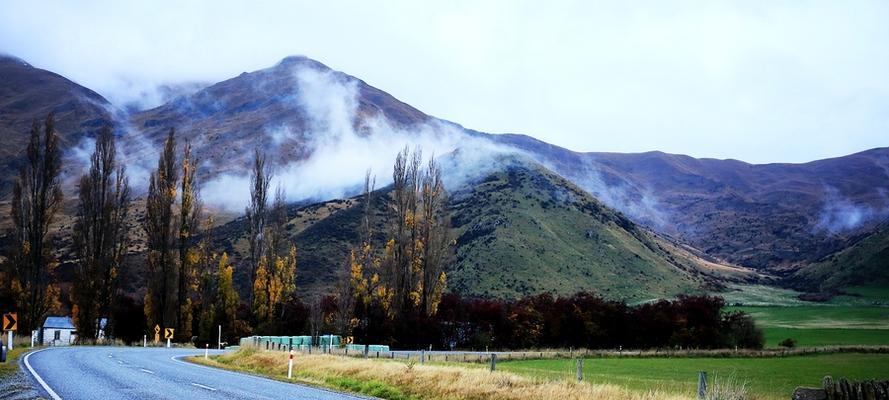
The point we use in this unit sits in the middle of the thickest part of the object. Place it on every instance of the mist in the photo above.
(838, 214)
(342, 147)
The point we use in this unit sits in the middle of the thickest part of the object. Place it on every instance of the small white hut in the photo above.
(58, 331)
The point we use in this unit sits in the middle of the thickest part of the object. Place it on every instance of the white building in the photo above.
(58, 331)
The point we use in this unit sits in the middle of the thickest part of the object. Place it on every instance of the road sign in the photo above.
(157, 329)
(10, 321)
(168, 333)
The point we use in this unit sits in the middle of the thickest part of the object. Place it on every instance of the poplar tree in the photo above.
(100, 237)
(160, 303)
(189, 214)
(256, 213)
(36, 198)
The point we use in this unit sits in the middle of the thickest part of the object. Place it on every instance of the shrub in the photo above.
(788, 343)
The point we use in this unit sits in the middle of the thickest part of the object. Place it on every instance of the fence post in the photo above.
(422, 357)
(702, 384)
(366, 350)
(579, 369)
(493, 362)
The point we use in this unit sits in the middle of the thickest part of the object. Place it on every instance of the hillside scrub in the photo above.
(397, 380)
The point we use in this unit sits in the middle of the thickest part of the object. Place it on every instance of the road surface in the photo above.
(150, 373)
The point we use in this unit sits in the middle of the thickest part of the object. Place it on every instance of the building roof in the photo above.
(58, 323)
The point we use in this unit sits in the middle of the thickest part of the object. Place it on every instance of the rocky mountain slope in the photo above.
(29, 94)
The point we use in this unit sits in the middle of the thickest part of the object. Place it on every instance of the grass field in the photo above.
(858, 317)
(767, 378)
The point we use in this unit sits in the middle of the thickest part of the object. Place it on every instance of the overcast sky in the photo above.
(766, 81)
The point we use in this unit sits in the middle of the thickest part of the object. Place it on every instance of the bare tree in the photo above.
(100, 237)
(36, 198)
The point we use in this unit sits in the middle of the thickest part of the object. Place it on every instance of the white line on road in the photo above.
(40, 380)
(202, 386)
(119, 362)
(146, 371)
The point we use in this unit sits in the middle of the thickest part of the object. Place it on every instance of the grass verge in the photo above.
(398, 380)
(12, 365)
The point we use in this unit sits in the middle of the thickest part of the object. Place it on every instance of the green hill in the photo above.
(865, 263)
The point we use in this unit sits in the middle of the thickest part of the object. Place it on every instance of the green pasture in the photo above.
(769, 378)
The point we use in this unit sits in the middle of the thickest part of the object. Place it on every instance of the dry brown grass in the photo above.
(396, 380)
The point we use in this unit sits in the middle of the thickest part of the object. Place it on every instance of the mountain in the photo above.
(29, 94)
(864, 263)
(224, 119)
(768, 216)
(521, 229)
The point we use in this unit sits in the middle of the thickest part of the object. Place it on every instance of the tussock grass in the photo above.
(398, 380)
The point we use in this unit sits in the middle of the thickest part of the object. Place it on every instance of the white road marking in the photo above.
(40, 380)
(119, 362)
(203, 387)
(146, 371)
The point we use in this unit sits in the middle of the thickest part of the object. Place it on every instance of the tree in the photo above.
(401, 263)
(36, 197)
(256, 212)
(275, 280)
(418, 247)
(207, 288)
(226, 297)
(159, 300)
(433, 235)
(100, 236)
(189, 214)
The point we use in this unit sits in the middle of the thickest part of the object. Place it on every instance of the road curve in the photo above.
(138, 373)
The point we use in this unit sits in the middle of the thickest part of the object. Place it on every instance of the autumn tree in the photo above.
(418, 247)
(401, 248)
(434, 243)
(100, 237)
(226, 297)
(275, 280)
(189, 214)
(207, 272)
(256, 213)
(359, 283)
(160, 300)
(36, 198)
(404, 279)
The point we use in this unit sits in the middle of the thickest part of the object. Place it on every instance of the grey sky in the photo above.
(763, 81)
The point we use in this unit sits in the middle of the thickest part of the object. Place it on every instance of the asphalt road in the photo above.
(152, 373)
